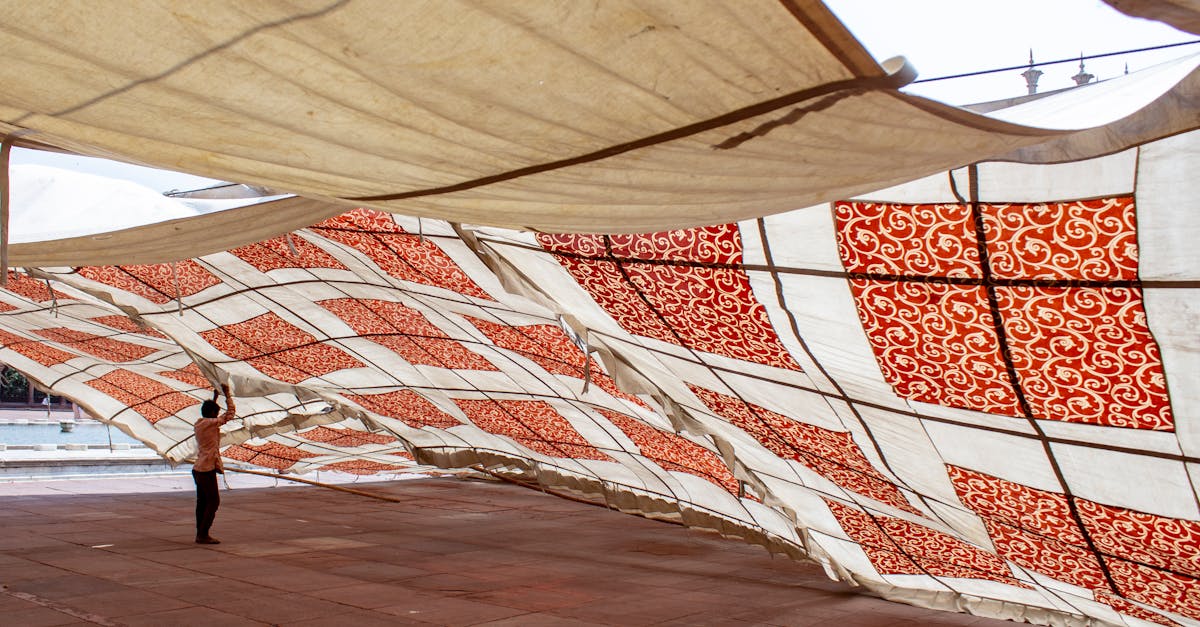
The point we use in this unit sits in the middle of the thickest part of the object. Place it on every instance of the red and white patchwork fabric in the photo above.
(973, 391)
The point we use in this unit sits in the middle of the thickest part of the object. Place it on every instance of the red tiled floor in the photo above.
(452, 552)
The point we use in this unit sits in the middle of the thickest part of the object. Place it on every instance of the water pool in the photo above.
(52, 434)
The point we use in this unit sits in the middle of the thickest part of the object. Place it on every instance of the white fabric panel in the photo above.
(1167, 193)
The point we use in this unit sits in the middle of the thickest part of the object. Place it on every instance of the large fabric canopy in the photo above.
(625, 115)
(972, 391)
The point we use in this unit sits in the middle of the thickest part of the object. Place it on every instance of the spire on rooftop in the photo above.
(1031, 75)
(1083, 78)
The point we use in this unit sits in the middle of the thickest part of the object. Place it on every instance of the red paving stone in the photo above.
(452, 552)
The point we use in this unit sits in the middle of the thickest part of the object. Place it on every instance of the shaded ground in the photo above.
(452, 553)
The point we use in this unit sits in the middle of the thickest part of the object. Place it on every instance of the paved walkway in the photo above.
(452, 552)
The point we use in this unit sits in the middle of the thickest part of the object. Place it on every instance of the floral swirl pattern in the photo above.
(709, 308)
(345, 437)
(549, 347)
(936, 343)
(269, 455)
(1047, 555)
(362, 219)
(1168, 543)
(1039, 511)
(1030, 527)
(278, 349)
(1173, 592)
(34, 349)
(402, 255)
(92, 344)
(533, 424)
(673, 452)
(156, 282)
(916, 240)
(35, 290)
(607, 285)
(190, 375)
(274, 254)
(1136, 611)
(832, 454)
(1081, 354)
(362, 467)
(124, 323)
(406, 332)
(408, 407)
(1092, 240)
(152, 399)
(1152, 559)
(1086, 355)
(898, 547)
(720, 244)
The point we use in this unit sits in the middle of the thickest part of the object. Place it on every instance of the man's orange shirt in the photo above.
(208, 441)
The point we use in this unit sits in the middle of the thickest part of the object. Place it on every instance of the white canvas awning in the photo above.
(627, 116)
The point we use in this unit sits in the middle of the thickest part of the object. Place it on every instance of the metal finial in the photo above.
(1031, 75)
(1082, 78)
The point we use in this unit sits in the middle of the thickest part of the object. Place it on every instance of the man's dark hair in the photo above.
(210, 409)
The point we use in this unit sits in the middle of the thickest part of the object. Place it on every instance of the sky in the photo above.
(938, 37)
(944, 37)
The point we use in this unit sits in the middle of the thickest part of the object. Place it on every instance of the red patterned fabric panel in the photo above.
(717, 244)
(549, 347)
(896, 546)
(1039, 511)
(345, 437)
(31, 288)
(34, 349)
(269, 455)
(881, 550)
(713, 310)
(361, 219)
(1050, 542)
(710, 309)
(674, 453)
(1170, 543)
(1047, 555)
(1081, 354)
(1086, 355)
(152, 399)
(278, 349)
(274, 254)
(1130, 609)
(404, 256)
(127, 325)
(105, 348)
(605, 282)
(155, 282)
(544, 344)
(407, 332)
(190, 375)
(1171, 591)
(914, 240)
(1085, 239)
(533, 424)
(832, 454)
(936, 343)
(406, 406)
(362, 467)
(1033, 528)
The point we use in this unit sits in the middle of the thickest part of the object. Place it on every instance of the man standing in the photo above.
(208, 463)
